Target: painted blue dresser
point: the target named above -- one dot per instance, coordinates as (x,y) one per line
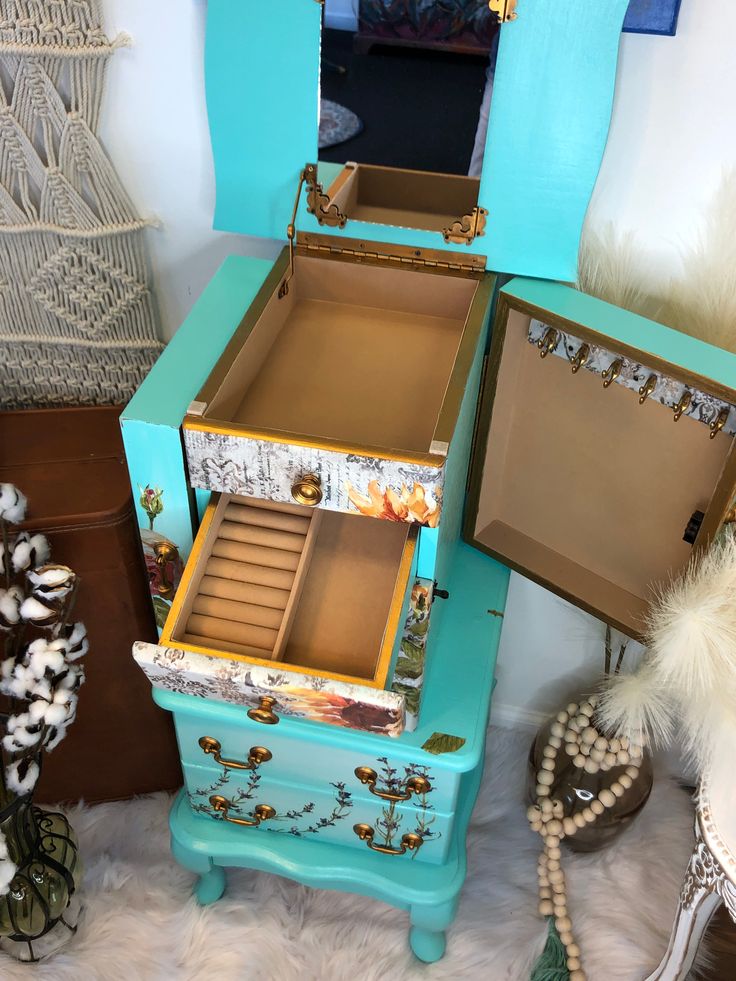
(349,756)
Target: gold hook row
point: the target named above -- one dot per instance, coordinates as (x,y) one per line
(550,339)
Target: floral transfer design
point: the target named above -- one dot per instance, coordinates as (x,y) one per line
(297,695)
(418,812)
(151,501)
(414,506)
(409,672)
(703,408)
(349,482)
(303,821)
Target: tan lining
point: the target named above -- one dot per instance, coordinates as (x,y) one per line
(360,354)
(584,488)
(336,615)
(405,198)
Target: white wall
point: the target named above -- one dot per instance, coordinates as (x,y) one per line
(672,134)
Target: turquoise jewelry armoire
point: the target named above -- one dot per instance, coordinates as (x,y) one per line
(328,654)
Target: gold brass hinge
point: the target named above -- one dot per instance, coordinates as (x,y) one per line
(405,257)
(506,9)
(463,230)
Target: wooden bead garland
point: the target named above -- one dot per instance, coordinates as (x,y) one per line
(591,750)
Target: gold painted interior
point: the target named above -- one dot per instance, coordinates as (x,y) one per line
(405,198)
(248,591)
(356,353)
(584,489)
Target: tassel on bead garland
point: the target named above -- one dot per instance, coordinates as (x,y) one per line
(552,963)
(593,752)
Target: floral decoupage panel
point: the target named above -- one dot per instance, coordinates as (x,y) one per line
(298,695)
(388,489)
(409,673)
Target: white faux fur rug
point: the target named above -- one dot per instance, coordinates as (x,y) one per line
(142,923)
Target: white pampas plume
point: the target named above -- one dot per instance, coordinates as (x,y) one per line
(12,504)
(692,629)
(636,706)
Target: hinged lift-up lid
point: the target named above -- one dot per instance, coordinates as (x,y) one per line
(553,91)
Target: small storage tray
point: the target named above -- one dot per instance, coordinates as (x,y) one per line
(321,593)
(355,374)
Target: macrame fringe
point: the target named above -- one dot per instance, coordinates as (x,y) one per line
(552,962)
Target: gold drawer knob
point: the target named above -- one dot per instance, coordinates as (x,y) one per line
(256,756)
(264,713)
(414,785)
(307,490)
(261,812)
(410,842)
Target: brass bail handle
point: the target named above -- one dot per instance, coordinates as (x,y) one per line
(256,756)
(307,490)
(414,785)
(264,713)
(261,812)
(410,842)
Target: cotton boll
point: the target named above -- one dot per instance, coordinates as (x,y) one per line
(37,711)
(51,582)
(37,613)
(12,504)
(78,644)
(692,627)
(48,660)
(636,706)
(22,776)
(8,871)
(40,550)
(3,847)
(10,603)
(54,737)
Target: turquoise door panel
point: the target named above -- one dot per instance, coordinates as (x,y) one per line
(551,110)
(550,115)
(262,79)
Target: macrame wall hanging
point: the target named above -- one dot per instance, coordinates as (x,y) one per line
(76,316)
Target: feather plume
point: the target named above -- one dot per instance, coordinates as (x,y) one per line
(692,629)
(636,706)
(702,301)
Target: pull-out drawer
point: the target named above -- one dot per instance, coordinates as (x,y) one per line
(241,748)
(323,810)
(342,392)
(301,608)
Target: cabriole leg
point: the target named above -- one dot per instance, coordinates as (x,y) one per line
(210,886)
(428,925)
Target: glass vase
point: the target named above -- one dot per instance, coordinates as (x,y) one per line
(40,911)
(576,788)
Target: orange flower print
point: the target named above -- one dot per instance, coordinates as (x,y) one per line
(412,506)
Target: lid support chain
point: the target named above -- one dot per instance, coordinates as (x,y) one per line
(291,234)
(319,205)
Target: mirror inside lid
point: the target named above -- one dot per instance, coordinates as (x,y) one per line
(552,87)
(604,450)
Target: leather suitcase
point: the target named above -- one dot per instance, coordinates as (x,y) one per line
(71,466)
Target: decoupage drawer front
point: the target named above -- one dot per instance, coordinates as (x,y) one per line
(342,392)
(322,810)
(241,749)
